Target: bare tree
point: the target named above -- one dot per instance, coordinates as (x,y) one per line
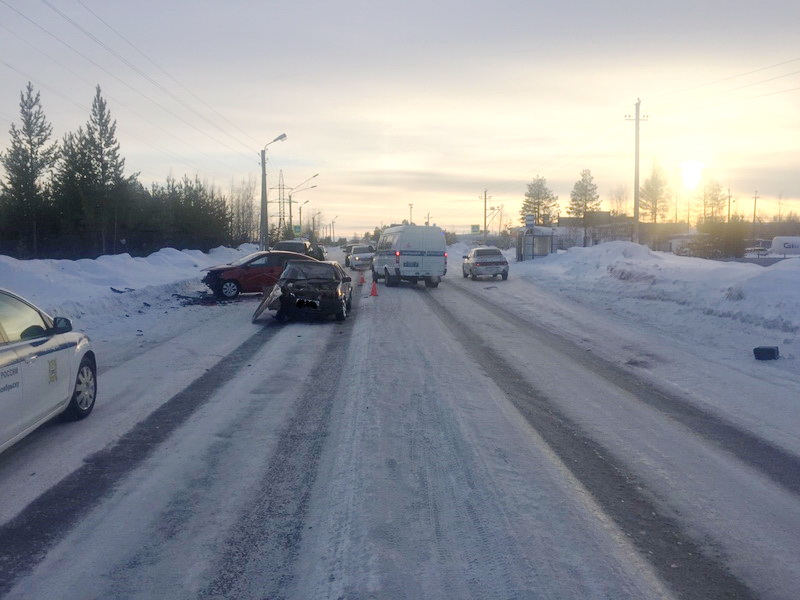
(619,200)
(244,222)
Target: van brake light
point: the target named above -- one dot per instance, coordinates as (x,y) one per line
(397,256)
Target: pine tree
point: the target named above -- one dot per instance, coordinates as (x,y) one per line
(72,185)
(584,199)
(654,196)
(539,201)
(28,160)
(107,168)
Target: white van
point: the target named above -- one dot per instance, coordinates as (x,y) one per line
(411,252)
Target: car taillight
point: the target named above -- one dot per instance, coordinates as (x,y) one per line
(397,257)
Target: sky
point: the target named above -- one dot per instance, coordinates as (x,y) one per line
(416,110)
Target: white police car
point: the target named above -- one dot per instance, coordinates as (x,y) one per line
(46,369)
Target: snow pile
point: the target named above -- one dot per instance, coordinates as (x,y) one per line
(88,291)
(766,296)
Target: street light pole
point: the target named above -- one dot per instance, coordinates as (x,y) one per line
(410,212)
(263,238)
(300,208)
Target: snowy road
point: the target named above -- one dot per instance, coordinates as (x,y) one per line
(481,440)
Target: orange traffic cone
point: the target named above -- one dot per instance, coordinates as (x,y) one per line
(374,290)
(361,280)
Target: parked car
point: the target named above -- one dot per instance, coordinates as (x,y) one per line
(46,369)
(299,246)
(361,257)
(347,250)
(314,289)
(319,252)
(485,262)
(255,272)
(412,253)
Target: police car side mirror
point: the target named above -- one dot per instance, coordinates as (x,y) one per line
(62,325)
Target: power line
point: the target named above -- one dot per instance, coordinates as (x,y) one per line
(120,80)
(139,71)
(87,109)
(122,37)
(724,79)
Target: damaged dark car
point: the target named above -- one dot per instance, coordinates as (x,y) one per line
(309,289)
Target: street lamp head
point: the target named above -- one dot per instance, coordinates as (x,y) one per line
(280,138)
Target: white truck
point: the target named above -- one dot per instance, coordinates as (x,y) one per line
(411,253)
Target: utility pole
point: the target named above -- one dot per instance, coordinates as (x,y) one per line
(755,199)
(729,205)
(410,209)
(263,241)
(636,173)
(281,205)
(485,198)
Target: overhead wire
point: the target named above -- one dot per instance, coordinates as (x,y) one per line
(694,106)
(85,108)
(155,64)
(126,84)
(109,96)
(139,71)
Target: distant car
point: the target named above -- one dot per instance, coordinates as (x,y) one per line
(46,369)
(320,253)
(361,257)
(299,246)
(485,262)
(312,289)
(347,250)
(253,273)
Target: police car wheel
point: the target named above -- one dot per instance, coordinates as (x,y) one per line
(82,401)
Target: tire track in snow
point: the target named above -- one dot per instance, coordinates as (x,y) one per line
(779,465)
(258,557)
(658,538)
(25,539)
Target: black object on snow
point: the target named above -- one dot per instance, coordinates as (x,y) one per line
(766,352)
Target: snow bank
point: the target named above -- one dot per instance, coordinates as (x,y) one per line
(110,285)
(767,296)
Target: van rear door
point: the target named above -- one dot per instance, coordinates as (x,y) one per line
(433,245)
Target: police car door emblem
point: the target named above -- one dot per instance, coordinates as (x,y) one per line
(52,370)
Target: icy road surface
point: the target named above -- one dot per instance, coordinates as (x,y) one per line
(484,439)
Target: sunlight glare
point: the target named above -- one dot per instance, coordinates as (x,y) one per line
(691,173)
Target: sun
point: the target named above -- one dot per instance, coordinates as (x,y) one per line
(691,173)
